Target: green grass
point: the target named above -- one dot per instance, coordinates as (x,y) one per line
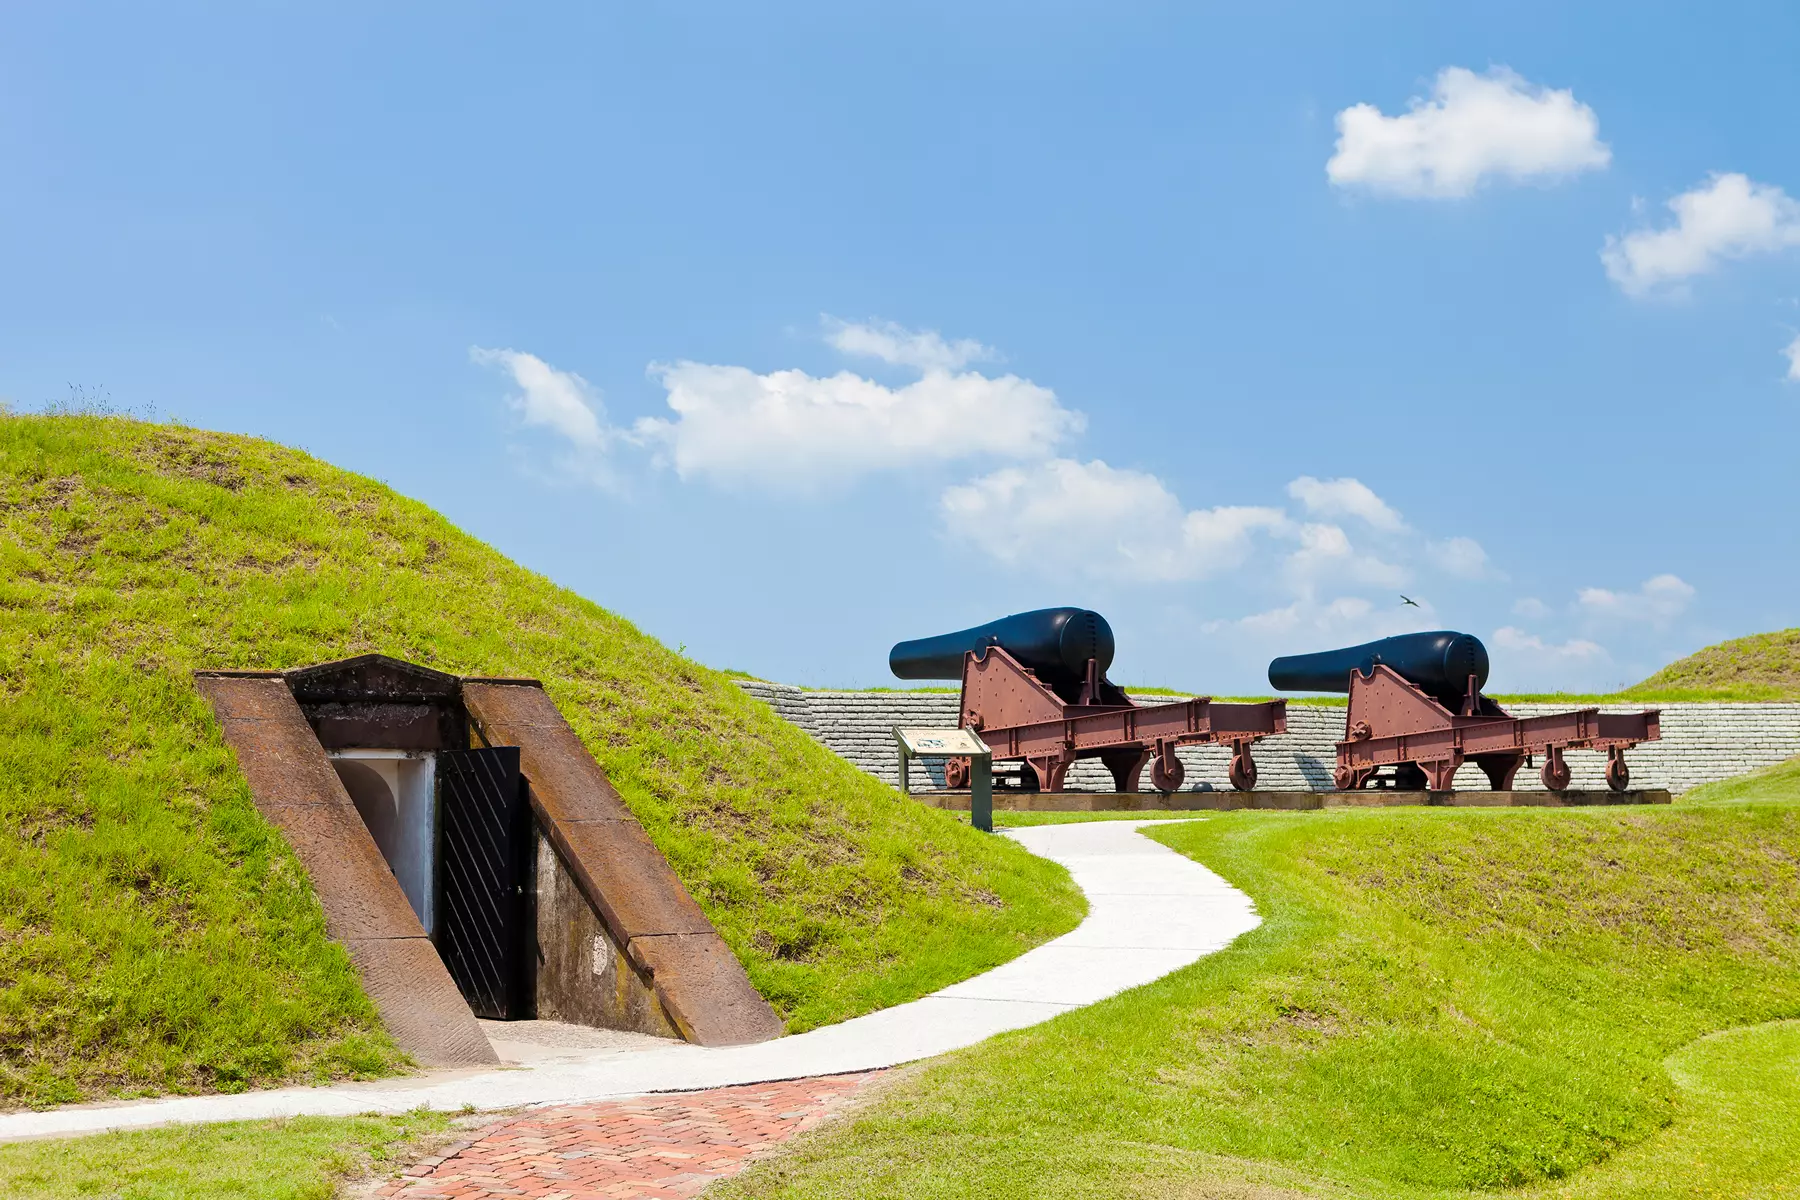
(1765,663)
(156,935)
(1439,1003)
(1644,694)
(299,1158)
(1779,783)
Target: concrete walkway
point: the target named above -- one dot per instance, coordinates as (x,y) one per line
(1151,911)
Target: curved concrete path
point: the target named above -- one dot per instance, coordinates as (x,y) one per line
(1151,911)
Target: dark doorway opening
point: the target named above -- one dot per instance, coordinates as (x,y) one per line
(486,852)
(454,824)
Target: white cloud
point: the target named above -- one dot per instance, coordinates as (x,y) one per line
(1345,612)
(1534,648)
(1728,217)
(1792,351)
(894,343)
(1530,606)
(1326,555)
(1658,600)
(1100,519)
(790,429)
(1344,498)
(560,401)
(1461,557)
(1472,127)
(1344,620)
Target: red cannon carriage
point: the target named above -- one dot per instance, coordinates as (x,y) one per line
(1034,687)
(1416,705)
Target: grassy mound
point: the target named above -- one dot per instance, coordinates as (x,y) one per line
(156,934)
(1440,1003)
(1763,666)
(293,1158)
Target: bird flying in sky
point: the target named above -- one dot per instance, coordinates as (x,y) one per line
(1405,600)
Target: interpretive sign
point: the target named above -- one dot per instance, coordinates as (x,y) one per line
(953,743)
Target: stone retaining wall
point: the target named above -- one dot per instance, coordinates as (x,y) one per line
(1700,742)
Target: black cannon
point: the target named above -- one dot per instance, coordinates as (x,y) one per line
(1034,687)
(1056,644)
(1438,664)
(1416,705)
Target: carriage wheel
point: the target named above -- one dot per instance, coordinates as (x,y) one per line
(1554,772)
(1243,771)
(1166,772)
(1618,775)
(956,772)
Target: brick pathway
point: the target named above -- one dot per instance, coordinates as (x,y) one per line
(652,1148)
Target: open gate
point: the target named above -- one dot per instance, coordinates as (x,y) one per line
(484,930)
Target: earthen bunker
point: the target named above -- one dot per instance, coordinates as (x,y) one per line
(474,860)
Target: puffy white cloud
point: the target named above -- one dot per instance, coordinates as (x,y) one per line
(1326,555)
(1530,606)
(1471,128)
(1461,557)
(894,343)
(1792,351)
(1100,519)
(1344,498)
(1728,217)
(1534,648)
(1527,662)
(1343,620)
(560,401)
(790,429)
(1657,600)
(1343,613)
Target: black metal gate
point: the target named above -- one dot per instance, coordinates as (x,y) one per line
(485,853)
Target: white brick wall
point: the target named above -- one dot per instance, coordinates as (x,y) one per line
(1700,742)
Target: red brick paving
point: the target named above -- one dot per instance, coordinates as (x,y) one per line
(659,1147)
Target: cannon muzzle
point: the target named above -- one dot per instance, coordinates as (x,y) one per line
(1054,642)
(1438,664)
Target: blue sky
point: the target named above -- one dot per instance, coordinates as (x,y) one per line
(790,331)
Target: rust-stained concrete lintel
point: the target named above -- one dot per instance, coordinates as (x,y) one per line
(297,790)
(699,982)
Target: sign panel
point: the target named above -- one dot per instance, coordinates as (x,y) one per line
(945,742)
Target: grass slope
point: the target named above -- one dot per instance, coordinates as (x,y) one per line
(297,1158)
(155,933)
(1440,1003)
(1767,664)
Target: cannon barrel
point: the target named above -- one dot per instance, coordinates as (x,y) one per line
(1438,664)
(1054,642)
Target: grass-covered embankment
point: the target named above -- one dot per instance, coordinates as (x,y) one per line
(1763,666)
(1440,1003)
(156,934)
(291,1158)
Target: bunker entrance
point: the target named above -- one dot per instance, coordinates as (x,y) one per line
(453,821)
(474,860)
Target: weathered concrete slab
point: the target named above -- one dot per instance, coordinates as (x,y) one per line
(706,990)
(295,788)
(419,1002)
(584,976)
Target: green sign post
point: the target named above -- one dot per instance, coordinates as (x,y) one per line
(953,743)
